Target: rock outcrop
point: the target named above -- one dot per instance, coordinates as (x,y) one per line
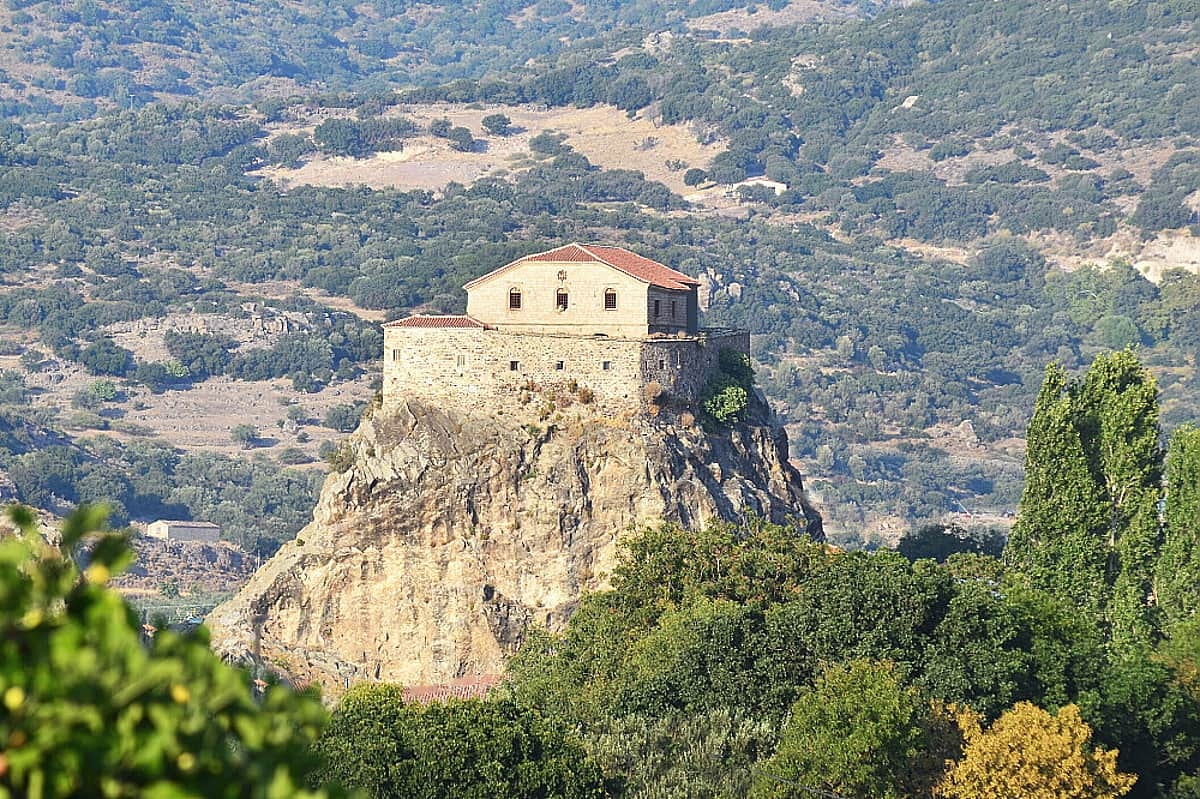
(448,534)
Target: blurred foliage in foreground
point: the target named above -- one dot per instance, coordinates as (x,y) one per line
(89,707)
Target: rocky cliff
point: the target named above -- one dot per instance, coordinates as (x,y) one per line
(448,533)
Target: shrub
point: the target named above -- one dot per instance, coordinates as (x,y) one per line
(340,457)
(293,456)
(344,418)
(497,124)
(726,397)
(103,357)
(724,400)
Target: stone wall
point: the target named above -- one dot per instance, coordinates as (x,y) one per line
(471,368)
(683,366)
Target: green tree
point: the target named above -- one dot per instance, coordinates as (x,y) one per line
(1118,422)
(940,541)
(343,418)
(857,733)
(461,139)
(1058,541)
(678,755)
(245,434)
(1088,525)
(91,709)
(470,749)
(497,124)
(103,357)
(1177,574)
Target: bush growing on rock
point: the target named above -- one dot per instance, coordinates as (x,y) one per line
(726,397)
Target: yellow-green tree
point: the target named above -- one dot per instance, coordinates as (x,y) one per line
(1030,754)
(89,709)
(859,732)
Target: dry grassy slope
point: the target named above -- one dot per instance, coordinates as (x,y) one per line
(611,139)
(604,134)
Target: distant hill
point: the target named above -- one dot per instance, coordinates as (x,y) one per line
(100,53)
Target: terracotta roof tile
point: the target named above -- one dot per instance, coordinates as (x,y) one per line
(461,321)
(473,687)
(618,258)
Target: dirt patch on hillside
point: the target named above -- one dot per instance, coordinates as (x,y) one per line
(1170,249)
(758,16)
(201,417)
(604,134)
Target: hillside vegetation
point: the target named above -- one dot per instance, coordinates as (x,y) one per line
(741,659)
(71,58)
(939,160)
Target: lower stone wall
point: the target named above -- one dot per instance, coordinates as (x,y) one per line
(472,368)
(682,366)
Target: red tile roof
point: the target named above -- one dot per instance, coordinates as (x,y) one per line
(461,321)
(473,687)
(632,264)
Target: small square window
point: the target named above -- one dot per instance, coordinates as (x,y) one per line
(657,312)
(514,366)
(395,355)
(662,364)
(559,365)
(462,361)
(606,365)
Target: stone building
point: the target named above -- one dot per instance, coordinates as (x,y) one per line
(587,316)
(184,531)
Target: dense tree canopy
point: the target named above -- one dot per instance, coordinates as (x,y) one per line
(470,749)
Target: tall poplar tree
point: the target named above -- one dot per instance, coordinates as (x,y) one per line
(1118,401)
(1088,528)
(1177,580)
(1058,541)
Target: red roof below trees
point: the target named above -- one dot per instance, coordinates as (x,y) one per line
(461,321)
(474,687)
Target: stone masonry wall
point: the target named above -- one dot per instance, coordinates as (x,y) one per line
(473,369)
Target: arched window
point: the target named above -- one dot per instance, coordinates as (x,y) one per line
(560,301)
(514,299)
(610,299)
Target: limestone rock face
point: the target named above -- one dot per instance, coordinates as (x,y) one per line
(450,533)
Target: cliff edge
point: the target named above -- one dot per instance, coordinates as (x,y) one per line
(449,532)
